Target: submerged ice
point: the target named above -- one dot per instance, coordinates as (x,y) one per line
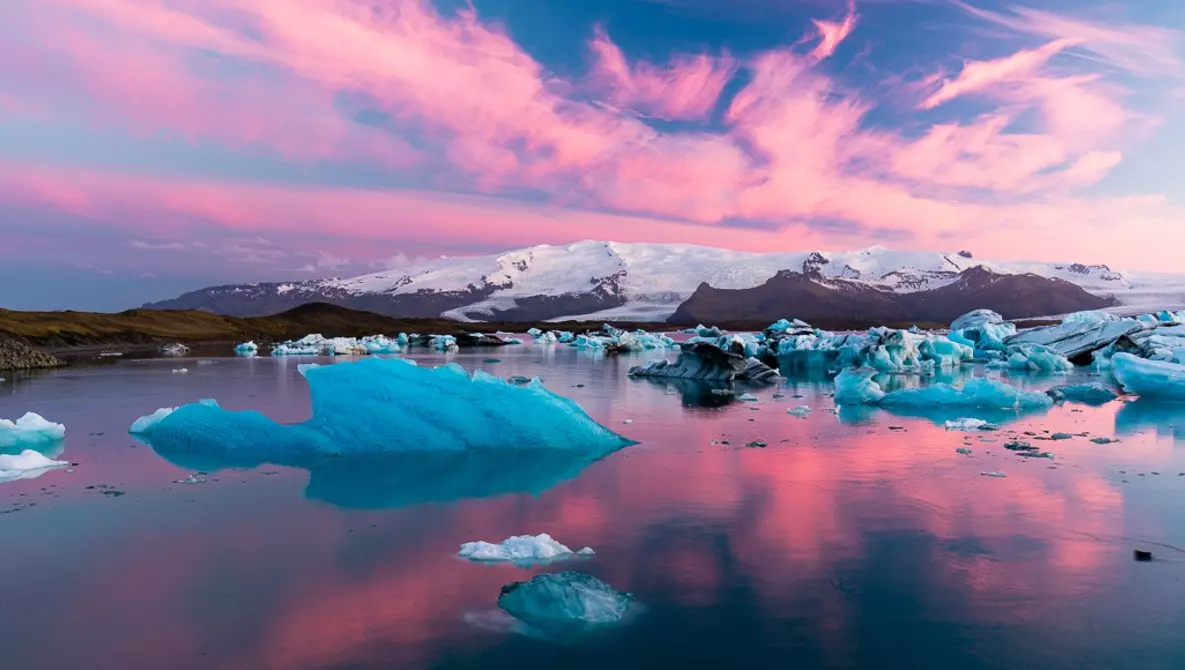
(565,598)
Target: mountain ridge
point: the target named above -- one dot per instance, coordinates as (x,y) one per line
(610,280)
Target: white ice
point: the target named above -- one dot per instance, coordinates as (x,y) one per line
(967,425)
(521,549)
(29,430)
(800,411)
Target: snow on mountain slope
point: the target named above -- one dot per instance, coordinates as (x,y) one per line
(612,280)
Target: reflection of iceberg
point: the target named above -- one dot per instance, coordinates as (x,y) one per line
(28,464)
(385,432)
(991,400)
(697,393)
(566,603)
(1167,418)
(31,431)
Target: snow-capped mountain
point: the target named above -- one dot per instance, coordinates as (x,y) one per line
(629,281)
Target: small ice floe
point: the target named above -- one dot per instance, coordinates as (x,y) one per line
(800,411)
(969,425)
(963,451)
(747,397)
(110,354)
(993,473)
(627,421)
(176,349)
(1102,440)
(521,550)
(247,349)
(180,371)
(519,380)
(195,478)
(28,464)
(1061,436)
(29,431)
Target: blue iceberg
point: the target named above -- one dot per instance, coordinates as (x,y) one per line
(377,405)
(1087,394)
(992,400)
(1161,380)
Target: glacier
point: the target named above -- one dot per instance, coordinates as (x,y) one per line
(565,598)
(1161,380)
(522,550)
(30,431)
(28,464)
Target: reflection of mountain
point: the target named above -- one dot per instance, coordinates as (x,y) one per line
(1167,418)
(373,481)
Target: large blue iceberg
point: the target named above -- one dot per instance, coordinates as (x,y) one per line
(391,405)
(1162,380)
(990,399)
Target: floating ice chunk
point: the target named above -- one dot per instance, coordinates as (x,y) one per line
(1149,379)
(1037,358)
(446,343)
(1090,316)
(982,329)
(180,371)
(1073,338)
(963,451)
(801,410)
(544,338)
(520,549)
(565,597)
(705,331)
(28,464)
(993,473)
(247,349)
(512,340)
(1089,394)
(704,361)
(31,430)
(565,337)
(377,405)
(855,387)
(534,332)
(176,349)
(968,425)
(747,397)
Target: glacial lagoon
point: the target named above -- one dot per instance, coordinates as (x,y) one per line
(749,535)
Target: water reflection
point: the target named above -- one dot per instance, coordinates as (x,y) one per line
(1166,418)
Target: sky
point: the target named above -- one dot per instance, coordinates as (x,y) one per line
(148,147)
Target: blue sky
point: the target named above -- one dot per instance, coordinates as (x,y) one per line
(153,146)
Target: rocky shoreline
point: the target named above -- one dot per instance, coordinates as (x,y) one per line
(16,355)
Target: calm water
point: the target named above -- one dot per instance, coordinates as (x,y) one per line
(858,540)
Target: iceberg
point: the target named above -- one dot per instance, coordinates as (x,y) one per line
(1078,335)
(445,343)
(707,361)
(1149,379)
(883,349)
(247,349)
(521,550)
(175,349)
(800,411)
(377,405)
(565,598)
(28,464)
(31,430)
(704,331)
(856,387)
(1087,394)
(544,338)
(1036,358)
(968,425)
(982,329)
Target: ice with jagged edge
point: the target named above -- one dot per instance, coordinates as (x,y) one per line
(1161,380)
(1036,358)
(379,405)
(565,598)
(883,349)
(28,464)
(31,430)
(316,344)
(521,550)
(982,329)
(968,425)
(247,349)
(858,387)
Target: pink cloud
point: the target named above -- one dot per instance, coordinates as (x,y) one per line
(980,76)
(795,147)
(831,33)
(687,89)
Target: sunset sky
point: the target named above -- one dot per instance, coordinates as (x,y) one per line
(153,146)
